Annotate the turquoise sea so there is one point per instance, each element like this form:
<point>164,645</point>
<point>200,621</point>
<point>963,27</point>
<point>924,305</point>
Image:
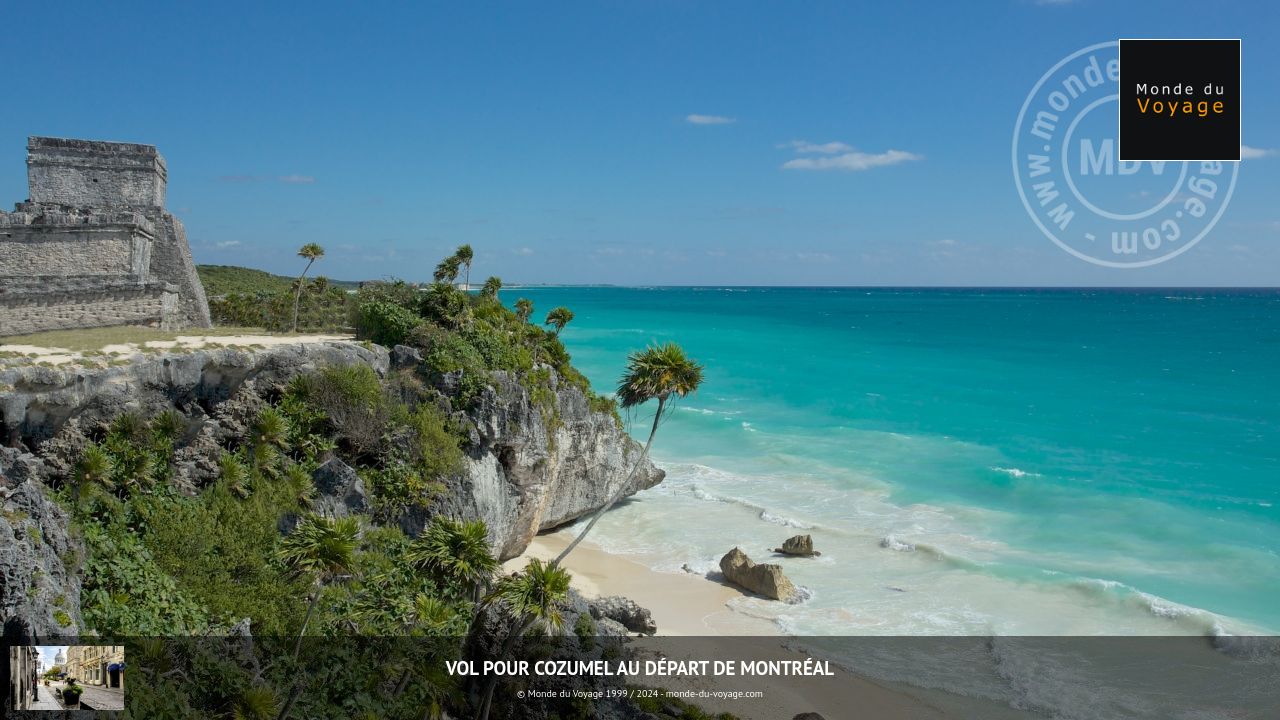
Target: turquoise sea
<point>1019,462</point>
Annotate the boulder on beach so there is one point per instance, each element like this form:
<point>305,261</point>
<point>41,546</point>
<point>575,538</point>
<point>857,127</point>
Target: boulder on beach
<point>808,716</point>
<point>624,611</point>
<point>760,578</point>
<point>801,545</point>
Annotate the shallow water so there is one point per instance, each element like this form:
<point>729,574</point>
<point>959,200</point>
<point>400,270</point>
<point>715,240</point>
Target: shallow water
<point>1053,462</point>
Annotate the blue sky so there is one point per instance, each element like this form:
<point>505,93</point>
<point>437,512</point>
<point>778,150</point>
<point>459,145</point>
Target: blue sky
<point>556,137</point>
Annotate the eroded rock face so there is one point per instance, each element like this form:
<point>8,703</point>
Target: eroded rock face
<point>39,559</point>
<point>339,490</point>
<point>530,464</point>
<point>43,399</point>
<point>534,466</point>
<point>760,578</point>
<point>800,545</point>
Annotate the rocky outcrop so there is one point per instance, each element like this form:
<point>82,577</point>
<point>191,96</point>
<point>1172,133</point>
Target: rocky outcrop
<point>532,463</point>
<point>799,545</point>
<point>339,490</point>
<point>624,611</point>
<point>36,402</point>
<point>535,464</point>
<point>760,578</point>
<point>39,558</point>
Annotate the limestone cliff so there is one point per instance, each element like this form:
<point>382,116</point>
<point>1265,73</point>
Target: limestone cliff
<point>537,465</point>
<point>532,463</point>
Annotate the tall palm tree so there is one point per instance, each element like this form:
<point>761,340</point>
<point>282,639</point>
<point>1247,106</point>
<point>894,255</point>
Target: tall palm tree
<point>465,256</point>
<point>558,318</point>
<point>312,252</point>
<point>323,548</point>
<point>531,596</point>
<point>659,372</point>
<point>491,288</point>
<point>524,308</point>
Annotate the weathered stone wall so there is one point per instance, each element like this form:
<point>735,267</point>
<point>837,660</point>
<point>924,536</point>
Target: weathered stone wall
<point>93,238</point>
<point>87,173</point>
<point>152,305</point>
<point>109,247</point>
<point>171,262</point>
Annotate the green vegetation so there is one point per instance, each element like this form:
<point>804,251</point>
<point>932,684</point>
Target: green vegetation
<point>189,564</point>
<point>318,305</point>
<point>220,280</point>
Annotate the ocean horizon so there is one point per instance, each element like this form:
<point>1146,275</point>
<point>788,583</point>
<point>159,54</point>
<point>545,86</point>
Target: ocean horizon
<point>970,461</point>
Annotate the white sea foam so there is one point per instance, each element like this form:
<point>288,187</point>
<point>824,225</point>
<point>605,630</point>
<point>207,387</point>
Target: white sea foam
<point>784,521</point>
<point>1015,472</point>
<point>890,542</point>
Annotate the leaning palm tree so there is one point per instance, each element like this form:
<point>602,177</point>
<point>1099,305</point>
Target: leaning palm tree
<point>558,318</point>
<point>659,372</point>
<point>447,271</point>
<point>311,252</point>
<point>323,548</point>
<point>491,288</point>
<point>531,596</point>
<point>465,256</point>
<point>524,308</point>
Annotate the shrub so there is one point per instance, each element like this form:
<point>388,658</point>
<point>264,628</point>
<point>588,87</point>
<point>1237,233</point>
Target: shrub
<point>446,305</point>
<point>435,447</point>
<point>353,402</point>
<point>385,323</point>
<point>398,487</point>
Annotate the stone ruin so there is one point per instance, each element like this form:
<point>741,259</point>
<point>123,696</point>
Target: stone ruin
<point>93,246</point>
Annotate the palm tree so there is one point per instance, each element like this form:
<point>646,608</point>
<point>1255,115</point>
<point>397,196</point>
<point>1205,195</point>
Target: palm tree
<point>256,702</point>
<point>532,595</point>
<point>558,318</point>
<point>456,551</point>
<point>311,252</point>
<point>323,548</point>
<point>491,288</point>
<point>464,256</point>
<point>448,269</point>
<point>659,372</point>
<point>524,308</point>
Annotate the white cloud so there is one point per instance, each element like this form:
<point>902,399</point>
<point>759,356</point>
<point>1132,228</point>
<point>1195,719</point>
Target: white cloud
<point>1253,153</point>
<point>227,244</point>
<point>524,251</point>
<point>709,119</point>
<point>806,147</point>
<point>297,179</point>
<point>852,161</point>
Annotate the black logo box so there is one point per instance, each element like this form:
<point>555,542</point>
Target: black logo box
<point>1186,68</point>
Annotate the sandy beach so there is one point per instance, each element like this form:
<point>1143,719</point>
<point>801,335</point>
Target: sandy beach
<point>692,608</point>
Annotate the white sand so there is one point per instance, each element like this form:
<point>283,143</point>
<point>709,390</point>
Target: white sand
<point>684,604</point>
<point>63,356</point>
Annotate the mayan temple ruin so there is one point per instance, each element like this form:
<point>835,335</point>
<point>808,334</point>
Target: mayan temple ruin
<point>93,245</point>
